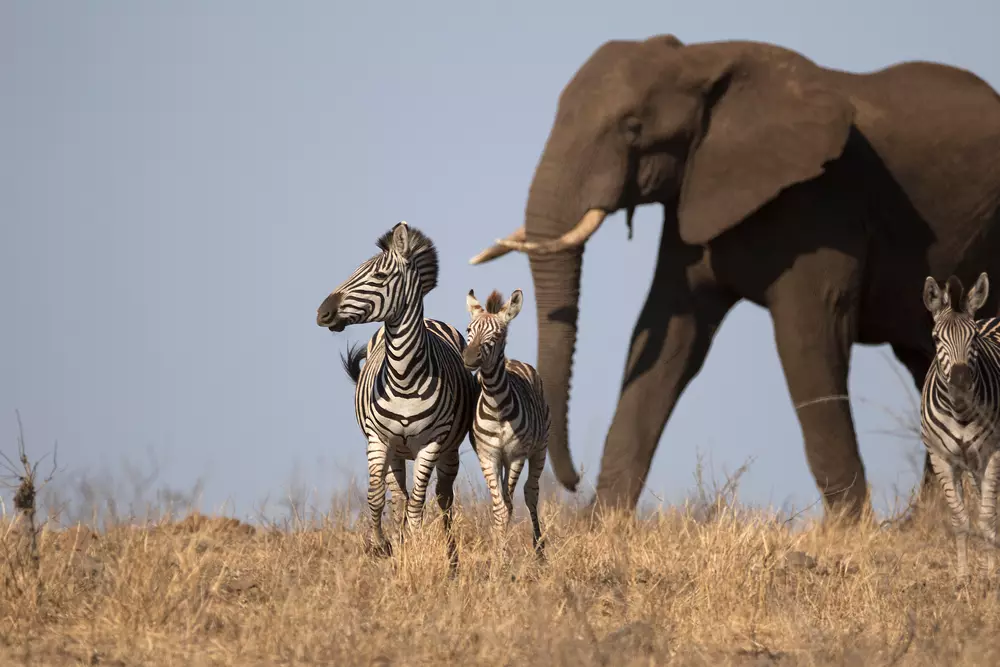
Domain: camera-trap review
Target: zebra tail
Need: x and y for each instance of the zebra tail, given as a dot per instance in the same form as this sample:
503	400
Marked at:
356	353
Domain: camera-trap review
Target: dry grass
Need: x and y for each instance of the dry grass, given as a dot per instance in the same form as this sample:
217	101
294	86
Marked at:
709	583
681	586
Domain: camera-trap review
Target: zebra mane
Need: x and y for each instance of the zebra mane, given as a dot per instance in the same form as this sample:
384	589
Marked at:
494	302
422	253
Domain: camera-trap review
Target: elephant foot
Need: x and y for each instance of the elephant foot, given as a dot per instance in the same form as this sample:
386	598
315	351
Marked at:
615	498
847	510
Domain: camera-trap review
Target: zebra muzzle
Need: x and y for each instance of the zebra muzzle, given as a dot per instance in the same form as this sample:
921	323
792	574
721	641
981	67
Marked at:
961	377
471	357
326	314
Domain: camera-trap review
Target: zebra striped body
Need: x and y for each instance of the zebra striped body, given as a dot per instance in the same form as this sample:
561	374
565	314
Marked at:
511	423
414	397
960	408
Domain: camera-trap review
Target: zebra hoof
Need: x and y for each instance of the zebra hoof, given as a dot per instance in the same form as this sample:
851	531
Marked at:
378	548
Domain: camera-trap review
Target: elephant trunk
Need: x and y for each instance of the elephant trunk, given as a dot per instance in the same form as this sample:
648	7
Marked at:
556	279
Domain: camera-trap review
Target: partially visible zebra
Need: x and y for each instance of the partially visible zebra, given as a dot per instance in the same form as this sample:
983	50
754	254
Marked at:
414	397
512	418
960	407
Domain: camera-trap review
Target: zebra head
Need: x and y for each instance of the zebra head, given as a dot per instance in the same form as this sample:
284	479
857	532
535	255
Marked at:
955	332
488	329
380	289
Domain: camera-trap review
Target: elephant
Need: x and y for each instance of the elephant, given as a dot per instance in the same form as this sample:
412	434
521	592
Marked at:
824	196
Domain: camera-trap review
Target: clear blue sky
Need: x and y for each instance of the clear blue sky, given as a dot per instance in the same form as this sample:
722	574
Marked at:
182	183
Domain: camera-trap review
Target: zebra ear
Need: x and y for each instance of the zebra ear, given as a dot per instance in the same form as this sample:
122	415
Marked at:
472	303
977	295
934	298
513	305
401	239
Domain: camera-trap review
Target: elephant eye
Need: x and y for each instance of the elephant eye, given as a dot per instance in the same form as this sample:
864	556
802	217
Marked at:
632	127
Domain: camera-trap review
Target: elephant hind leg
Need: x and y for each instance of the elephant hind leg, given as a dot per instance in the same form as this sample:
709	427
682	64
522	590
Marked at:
814	339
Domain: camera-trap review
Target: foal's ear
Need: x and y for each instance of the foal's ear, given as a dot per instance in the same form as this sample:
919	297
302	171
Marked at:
472	303
935	299
977	295
513	305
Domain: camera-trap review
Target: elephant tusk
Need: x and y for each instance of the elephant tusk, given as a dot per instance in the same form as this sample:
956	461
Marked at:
582	231
499	249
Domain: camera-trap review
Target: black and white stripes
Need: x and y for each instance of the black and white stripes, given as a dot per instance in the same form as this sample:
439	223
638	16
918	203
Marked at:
960	407
511	421
414	397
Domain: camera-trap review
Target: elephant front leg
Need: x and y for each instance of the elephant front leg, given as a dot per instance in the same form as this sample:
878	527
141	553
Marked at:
669	344
813	336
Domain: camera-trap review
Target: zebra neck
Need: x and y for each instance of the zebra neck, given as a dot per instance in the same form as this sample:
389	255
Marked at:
406	345
496	382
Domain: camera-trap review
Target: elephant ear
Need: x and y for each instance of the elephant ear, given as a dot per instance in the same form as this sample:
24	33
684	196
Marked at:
769	124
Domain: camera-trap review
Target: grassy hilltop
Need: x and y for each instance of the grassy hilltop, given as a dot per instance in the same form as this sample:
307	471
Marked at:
710	583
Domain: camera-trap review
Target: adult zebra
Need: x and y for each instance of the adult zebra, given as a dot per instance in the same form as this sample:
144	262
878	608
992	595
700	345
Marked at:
960	407
414	397
512	420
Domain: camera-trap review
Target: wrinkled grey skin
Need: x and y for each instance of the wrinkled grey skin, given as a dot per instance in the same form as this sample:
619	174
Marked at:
824	196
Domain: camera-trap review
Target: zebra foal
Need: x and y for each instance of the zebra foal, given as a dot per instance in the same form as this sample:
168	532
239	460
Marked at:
511	422
960	407
414	397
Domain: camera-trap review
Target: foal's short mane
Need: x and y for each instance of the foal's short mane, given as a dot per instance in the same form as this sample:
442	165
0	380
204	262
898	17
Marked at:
494	302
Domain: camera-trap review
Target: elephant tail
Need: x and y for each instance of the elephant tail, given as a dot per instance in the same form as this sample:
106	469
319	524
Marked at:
356	353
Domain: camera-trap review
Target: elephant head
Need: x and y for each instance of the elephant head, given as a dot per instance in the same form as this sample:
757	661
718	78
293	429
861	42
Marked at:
711	131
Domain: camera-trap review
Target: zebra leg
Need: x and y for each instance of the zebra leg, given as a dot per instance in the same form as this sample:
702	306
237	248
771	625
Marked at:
951	484
988	510
378	464
447	471
536	464
397	487
489	461
513	474
423	466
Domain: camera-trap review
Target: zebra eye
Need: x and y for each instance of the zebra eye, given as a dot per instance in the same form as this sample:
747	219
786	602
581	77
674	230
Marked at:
379	275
